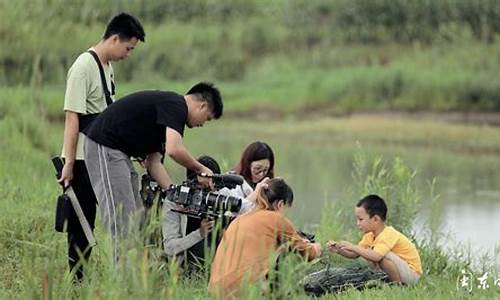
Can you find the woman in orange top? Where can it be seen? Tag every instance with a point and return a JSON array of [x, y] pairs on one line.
[[245, 249]]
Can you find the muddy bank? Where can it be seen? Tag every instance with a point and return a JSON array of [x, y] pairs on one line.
[[263, 113]]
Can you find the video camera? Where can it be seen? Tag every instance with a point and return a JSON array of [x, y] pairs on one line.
[[202, 203]]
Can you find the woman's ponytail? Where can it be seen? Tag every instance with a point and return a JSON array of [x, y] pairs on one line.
[[277, 189]]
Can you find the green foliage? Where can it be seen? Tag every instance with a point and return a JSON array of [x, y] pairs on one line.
[[347, 55], [424, 20], [394, 183], [32, 255]]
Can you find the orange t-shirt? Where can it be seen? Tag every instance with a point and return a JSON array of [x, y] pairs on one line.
[[246, 246]]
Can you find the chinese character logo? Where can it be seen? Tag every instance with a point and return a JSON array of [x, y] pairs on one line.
[[497, 282], [483, 283], [465, 281]]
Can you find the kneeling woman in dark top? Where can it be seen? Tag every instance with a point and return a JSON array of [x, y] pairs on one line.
[[184, 237]]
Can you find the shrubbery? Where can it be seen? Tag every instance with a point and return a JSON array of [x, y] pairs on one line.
[[353, 54]]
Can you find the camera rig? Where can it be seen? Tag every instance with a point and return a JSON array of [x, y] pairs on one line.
[[200, 202]]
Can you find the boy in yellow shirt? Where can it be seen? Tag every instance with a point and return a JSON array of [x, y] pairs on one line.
[[382, 246]]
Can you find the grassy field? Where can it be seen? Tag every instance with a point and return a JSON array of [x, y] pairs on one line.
[[285, 68], [341, 79], [32, 263]]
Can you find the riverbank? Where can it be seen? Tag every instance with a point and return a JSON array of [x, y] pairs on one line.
[[313, 155], [321, 111]]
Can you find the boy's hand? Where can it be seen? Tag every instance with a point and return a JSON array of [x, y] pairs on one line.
[[332, 246], [344, 245]]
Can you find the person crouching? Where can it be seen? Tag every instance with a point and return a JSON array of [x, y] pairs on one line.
[[383, 247], [245, 249]]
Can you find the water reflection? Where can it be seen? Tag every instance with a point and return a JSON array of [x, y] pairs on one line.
[[475, 224], [320, 169]]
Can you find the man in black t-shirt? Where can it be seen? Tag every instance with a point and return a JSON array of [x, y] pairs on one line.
[[145, 124]]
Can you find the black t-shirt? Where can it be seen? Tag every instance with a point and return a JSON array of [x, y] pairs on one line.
[[196, 253], [136, 124]]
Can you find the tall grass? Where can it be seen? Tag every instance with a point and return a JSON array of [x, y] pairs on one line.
[[348, 55], [236, 34], [32, 256], [394, 181]]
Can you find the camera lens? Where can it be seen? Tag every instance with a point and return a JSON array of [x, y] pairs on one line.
[[220, 203], [232, 204]]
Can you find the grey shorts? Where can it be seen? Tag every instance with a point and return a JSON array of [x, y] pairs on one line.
[[406, 273]]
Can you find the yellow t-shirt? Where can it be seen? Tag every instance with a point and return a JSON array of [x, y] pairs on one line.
[[391, 240], [84, 91]]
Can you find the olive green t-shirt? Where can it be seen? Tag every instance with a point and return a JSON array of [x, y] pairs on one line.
[[84, 91]]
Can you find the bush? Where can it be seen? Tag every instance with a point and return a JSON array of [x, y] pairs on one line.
[[394, 182], [251, 30]]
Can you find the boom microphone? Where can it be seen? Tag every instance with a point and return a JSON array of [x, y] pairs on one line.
[[228, 179], [225, 179]]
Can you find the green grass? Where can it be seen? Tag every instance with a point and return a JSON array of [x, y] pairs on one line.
[[32, 260], [334, 81], [343, 55], [275, 63]]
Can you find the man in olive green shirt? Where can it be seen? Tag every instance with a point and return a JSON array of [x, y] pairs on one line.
[[85, 97]]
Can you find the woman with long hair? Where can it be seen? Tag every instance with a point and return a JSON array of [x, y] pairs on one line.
[[251, 239], [256, 163]]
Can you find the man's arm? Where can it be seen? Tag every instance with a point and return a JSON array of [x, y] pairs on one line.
[[157, 171], [178, 152], [71, 129]]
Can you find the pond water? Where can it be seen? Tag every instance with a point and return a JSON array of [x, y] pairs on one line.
[[320, 170]]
